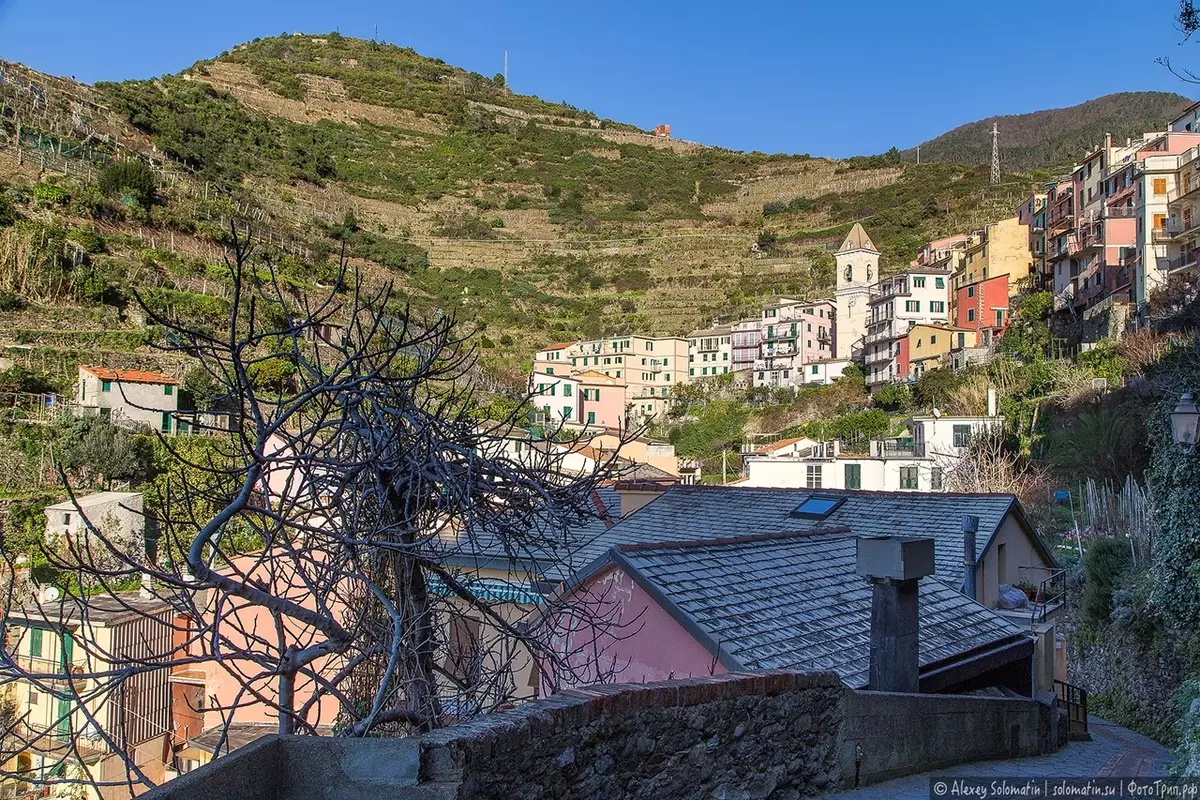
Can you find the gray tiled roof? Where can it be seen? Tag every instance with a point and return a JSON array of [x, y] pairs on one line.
[[685, 513], [795, 602]]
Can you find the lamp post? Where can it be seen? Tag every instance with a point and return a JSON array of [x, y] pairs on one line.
[[1185, 421]]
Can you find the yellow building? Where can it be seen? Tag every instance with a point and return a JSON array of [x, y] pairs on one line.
[[929, 346], [1001, 248], [66, 713]]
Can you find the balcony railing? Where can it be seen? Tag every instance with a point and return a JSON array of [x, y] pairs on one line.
[[1119, 212], [1179, 263]]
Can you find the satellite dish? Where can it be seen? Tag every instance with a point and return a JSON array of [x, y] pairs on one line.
[[50, 594], [936, 413]]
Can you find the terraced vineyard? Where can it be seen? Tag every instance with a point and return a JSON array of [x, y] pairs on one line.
[[531, 220]]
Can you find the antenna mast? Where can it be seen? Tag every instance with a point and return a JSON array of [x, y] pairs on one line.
[[995, 154]]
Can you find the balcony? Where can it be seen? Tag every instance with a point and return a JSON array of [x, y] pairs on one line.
[[1170, 265], [881, 356], [889, 288]]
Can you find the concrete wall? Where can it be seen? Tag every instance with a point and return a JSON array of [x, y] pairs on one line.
[[139, 402], [775, 734], [888, 735]]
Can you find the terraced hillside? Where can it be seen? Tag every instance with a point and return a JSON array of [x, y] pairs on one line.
[[532, 220]]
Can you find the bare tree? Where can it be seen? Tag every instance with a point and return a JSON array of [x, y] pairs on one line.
[[991, 465], [1187, 22], [360, 551]]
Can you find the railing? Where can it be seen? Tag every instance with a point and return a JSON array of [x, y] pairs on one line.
[[1074, 701], [1050, 594], [1119, 212]]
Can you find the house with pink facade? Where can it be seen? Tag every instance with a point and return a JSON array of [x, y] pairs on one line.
[[602, 399], [783, 600], [793, 333]]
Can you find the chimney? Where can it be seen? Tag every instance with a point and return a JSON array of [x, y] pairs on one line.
[[635, 494], [970, 525], [991, 401], [894, 565]]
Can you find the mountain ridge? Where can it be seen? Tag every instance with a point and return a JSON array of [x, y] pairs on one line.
[[1051, 138]]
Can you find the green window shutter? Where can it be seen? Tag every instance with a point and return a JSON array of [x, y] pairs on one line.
[[106, 386], [35, 642], [168, 390], [853, 476]]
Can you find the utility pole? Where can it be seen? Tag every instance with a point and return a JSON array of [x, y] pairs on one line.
[[995, 154], [918, 154], [724, 456], [506, 73], [376, 32]]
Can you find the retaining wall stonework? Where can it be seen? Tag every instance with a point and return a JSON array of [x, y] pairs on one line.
[[777, 735], [736, 736]]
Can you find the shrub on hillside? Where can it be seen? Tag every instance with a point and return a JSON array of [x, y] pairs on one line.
[[1104, 564], [132, 179], [893, 397]]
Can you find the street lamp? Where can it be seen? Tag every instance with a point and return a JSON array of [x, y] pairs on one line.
[[1185, 421]]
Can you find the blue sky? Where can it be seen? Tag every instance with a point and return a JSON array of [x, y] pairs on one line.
[[833, 79]]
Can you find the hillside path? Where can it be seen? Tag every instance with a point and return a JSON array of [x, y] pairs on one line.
[[1114, 752]]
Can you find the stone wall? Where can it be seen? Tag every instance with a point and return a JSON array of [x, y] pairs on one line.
[[770, 734], [776, 735], [887, 735]]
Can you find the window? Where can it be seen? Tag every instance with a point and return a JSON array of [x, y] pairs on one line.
[[962, 435], [106, 386], [566, 412], [999, 317], [35, 642], [166, 421], [649, 347], [168, 390], [692, 372], [908, 478], [854, 476], [566, 390], [962, 340], [817, 506], [935, 479], [970, 291], [549, 370], [919, 283], [814, 369], [970, 315], [33, 697], [591, 418], [1160, 186], [813, 476], [912, 305], [937, 306]]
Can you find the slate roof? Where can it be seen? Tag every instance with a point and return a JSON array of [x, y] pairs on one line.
[[489, 552], [794, 601], [685, 513]]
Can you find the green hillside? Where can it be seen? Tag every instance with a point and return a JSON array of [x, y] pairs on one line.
[[1055, 137], [531, 220]]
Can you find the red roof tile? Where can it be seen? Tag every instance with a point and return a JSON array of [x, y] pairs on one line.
[[129, 375]]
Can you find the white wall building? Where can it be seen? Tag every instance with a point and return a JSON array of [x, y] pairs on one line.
[[823, 373], [117, 515], [857, 269], [898, 302], [916, 464], [128, 396], [557, 396], [710, 352]]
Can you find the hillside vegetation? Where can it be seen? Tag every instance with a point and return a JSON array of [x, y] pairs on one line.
[[530, 220], [1056, 137]]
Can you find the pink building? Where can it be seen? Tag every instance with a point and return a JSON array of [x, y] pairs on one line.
[[602, 399], [793, 333], [790, 600]]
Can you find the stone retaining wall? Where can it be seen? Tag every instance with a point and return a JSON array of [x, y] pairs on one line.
[[776, 735], [770, 734]]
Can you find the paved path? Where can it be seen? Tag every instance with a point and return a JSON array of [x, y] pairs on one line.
[[1114, 752]]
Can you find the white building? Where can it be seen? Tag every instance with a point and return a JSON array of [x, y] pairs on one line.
[[553, 359], [117, 515], [127, 396], [897, 303], [916, 463], [649, 366], [857, 269], [710, 352], [556, 396], [823, 373]]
